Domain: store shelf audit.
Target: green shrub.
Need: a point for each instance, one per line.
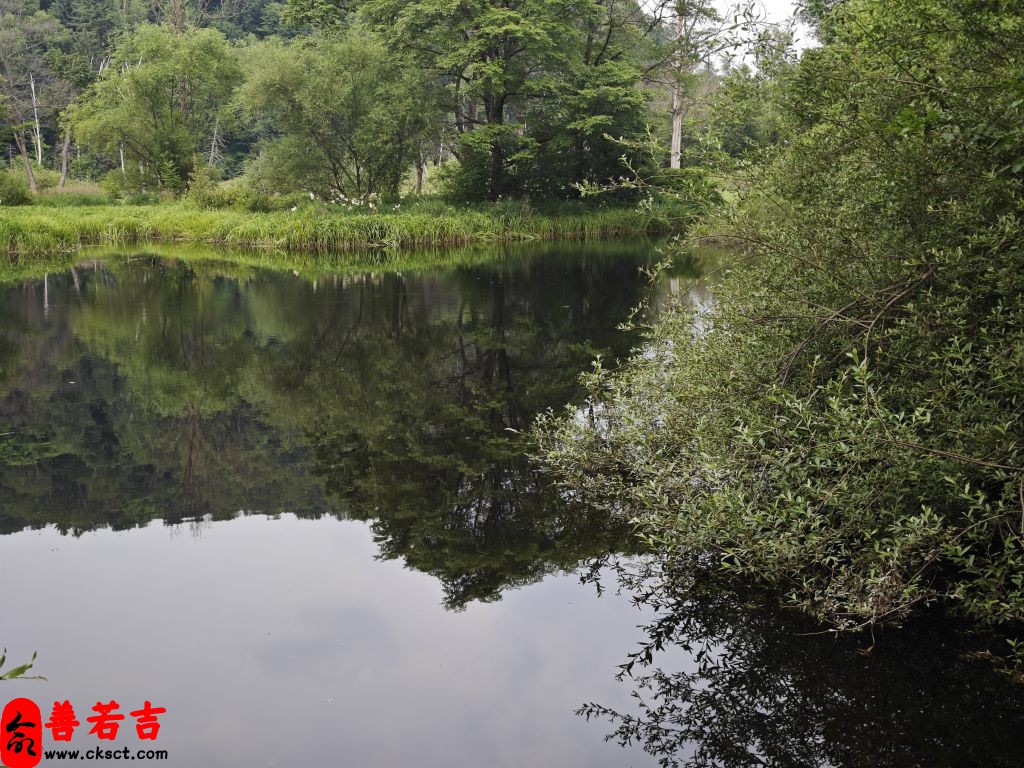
(240, 198)
(116, 184)
(845, 422)
(46, 179)
(140, 198)
(13, 189)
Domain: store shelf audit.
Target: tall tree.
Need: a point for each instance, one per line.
(699, 33)
(525, 79)
(339, 114)
(158, 104)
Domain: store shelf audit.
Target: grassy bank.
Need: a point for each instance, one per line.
(37, 229)
(326, 265)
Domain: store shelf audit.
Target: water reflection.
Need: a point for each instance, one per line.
(152, 388)
(389, 408)
(284, 642)
(760, 686)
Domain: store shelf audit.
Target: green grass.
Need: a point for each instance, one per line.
(323, 265)
(34, 230)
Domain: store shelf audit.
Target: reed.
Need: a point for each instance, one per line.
(34, 230)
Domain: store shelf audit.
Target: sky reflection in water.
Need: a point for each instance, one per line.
(284, 642)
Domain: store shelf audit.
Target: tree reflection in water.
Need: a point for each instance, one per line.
(160, 389)
(761, 686)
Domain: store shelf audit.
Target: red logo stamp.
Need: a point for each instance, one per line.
(21, 730)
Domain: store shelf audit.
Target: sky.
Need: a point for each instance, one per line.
(777, 11)
(780, 10)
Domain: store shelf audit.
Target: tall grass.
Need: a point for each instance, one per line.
(35, 230)
(324, 265)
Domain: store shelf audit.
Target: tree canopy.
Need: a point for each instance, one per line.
(487, 100)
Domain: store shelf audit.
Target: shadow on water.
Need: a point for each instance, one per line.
(727, 678)
(143, 388)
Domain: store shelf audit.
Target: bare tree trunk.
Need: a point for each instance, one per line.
(120, 152)
(677, 125)
(37, 134)
(676, 151)
(65, 147)
(177, 12)
(215, 145)
(19, 140)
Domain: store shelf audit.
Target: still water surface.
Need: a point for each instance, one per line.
(293, 509)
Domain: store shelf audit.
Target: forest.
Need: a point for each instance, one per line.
(266, 105)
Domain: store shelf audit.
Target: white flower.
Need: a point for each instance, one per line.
(312, 196)
(295, 207)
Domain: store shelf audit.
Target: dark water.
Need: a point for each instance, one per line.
(294, 509)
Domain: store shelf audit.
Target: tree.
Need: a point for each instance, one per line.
(494, 57)
(28, 84)
(526, 82)
(159, 103)
(339, 115)
(699, 33)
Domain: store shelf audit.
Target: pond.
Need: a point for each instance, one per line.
(293, 509)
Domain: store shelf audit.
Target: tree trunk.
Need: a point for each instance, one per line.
(178, 14)
(65, 147)
(421, 174)
(677, 125)
(19, 140)
(676, 151)
(496, 116)
(215, 141)
(37, 134)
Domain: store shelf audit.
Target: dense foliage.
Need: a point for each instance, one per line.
(845, 422)
(349, 100)
(761, 687)
(483, 100)
(341, 116)
(159, 103)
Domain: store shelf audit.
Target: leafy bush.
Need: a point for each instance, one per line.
(140, 198)
(242, 199)
(845, 422)
(13, 189)
(121, 185)
(46, 179)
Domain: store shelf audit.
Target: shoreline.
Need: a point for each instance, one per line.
(31, 231)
